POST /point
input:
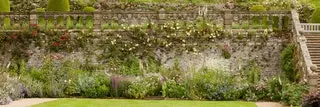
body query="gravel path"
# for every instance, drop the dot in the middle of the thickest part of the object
(268, 104)
(27, 102)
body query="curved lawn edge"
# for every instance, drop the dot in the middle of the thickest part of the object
(141, 103)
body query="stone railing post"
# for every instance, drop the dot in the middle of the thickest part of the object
(33, 19)
(97, 19)
(313, 78)
(162, 16)
(228, 18)
(308, 68)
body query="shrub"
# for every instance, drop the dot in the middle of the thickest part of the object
(142, 87)
(10, 88)
(27, 5)
(292, 93)
(312, 99)
(40, 10)
(252, 72)
(88, 9)
(213, 85)
(274, 86)
(256, 19)
(316, 16)
(119, 86)
(174, 72)
(286, 61)
(58, 5)
(258, 8)
(97, 87)
(4, 6)
(33, 87)
(89, 19)
(256, 92)
(172, 89)
(138, 89)
(127, 66)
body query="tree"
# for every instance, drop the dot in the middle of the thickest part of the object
(316, 16)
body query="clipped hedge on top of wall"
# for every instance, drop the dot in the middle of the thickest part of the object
(58, 5)
(4, 6)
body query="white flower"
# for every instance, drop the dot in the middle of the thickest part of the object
(136, 45)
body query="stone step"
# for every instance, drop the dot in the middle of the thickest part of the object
(312, 50)
(313, 45)
(313, 41)
(314, 54)
(316, 62)
(315, 59)
(312, 36)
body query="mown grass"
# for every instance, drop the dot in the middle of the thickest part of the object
(141, 103)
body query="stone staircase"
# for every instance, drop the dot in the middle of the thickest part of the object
(313, 44)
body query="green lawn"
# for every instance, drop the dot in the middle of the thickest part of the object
(141, 103)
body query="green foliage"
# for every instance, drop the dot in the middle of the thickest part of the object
(58, 5)
(252, 72)
(40, 10)
(316, 16)
(305, 13)
(89, 19)
(98, 87)
(27, 5)
(275, 86)
(64, 79)
(173, 89)
(88, 9)
(225, 51)
(174, 72)
(292, 94)
(4, 6)
(33, 86)
(258, 8)
(256, 19)
(148, 86)
(138, 89)
(127, 66)
(9, 88)
(213, 85)
(81, 4)
(287, 64)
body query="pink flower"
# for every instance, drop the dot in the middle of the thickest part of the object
(55, 44)
(13, 37)
(34, 33)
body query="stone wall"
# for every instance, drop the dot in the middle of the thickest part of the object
(265, 53)
(267, 56)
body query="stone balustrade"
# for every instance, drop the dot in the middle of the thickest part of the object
(302, 58)
(15, 21)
